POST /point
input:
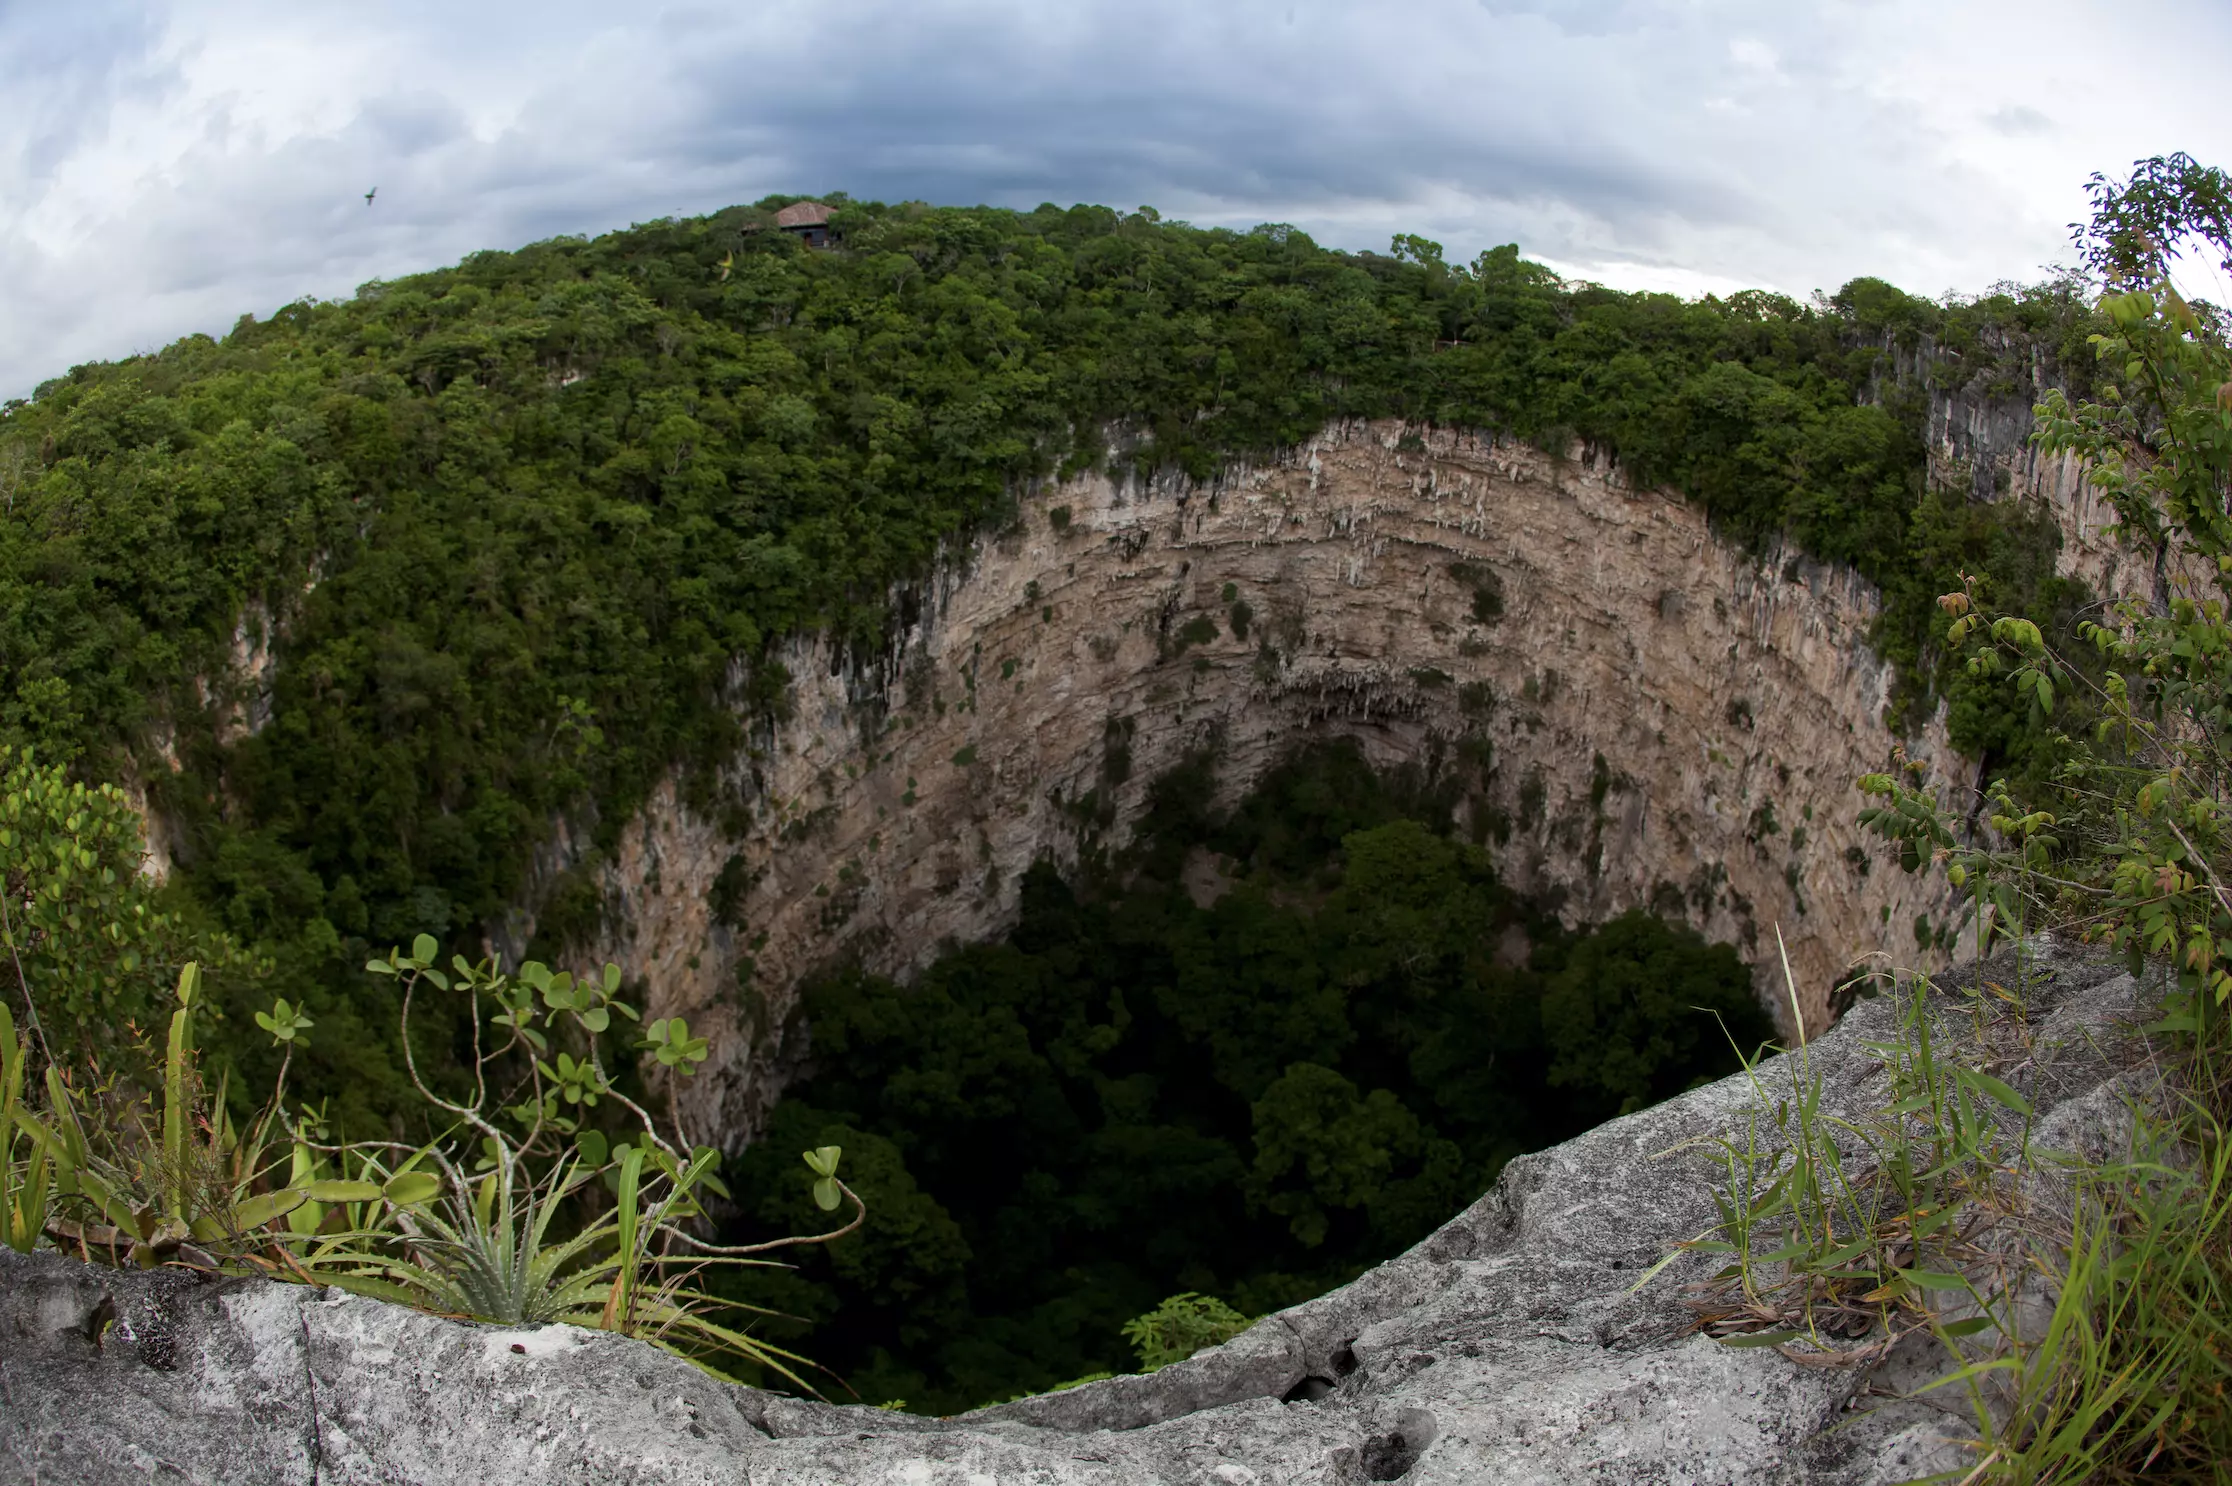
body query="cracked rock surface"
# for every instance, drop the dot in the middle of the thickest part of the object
(1511, 1346)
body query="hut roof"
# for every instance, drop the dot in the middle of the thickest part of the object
(803, 214)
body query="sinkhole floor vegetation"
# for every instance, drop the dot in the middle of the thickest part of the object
(1255, 1099)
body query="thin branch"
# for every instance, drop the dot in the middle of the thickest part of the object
(23, 981)
(859, 1217)
(2224, 899)
(278, 1089)
(480, 1064)
(410, 1062)
(650, 1126)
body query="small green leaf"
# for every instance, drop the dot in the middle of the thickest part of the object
(1970, 1327)
(594, 1148)
(1930, 1279)
(257, 1211)
(340, 1191)
(410, 1188)
(423, 949)
(825, 1194)
(1997, 1091)
(1759, 1339)
(823, 1159)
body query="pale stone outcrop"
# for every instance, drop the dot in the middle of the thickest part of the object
(1510, 1346)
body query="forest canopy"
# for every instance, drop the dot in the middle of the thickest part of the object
(366, 594)
(1256, 1097)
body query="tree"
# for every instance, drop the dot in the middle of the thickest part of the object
(1643, 1010)
(90, 953)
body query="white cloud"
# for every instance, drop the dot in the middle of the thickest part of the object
(165, 169)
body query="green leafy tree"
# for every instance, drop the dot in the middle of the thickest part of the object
(91, 953)
(1321, 1146)
(1643, 1010)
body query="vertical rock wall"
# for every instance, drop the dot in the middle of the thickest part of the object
(1641, 715)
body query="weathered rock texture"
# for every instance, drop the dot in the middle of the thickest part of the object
(1644, 717)
(1979, 441)
(1511, 1346)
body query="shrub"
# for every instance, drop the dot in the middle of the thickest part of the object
(550, 1193)
(1181, 1326)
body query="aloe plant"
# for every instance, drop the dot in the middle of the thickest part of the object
(177, 1181)
(523, 1237)
(499, 1245)
(25, 1175)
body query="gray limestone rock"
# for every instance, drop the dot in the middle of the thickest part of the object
(1511, 1346)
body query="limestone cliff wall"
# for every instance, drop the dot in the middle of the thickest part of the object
(1979, 441)
(1645, 715)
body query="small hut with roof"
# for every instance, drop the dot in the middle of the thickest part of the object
(806, 220)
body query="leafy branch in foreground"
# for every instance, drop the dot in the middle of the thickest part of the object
(2131, 841)
(1181, 1326)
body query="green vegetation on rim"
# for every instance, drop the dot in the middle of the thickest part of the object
(513, 538)
(365, 595)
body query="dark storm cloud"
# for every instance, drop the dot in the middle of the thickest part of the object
(1154, 100)
(167, 168)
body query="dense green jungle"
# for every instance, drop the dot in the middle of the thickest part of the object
(1135, 1095)
(519, 537)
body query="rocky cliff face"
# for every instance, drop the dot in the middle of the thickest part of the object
(1979, 440)
(1639, 715)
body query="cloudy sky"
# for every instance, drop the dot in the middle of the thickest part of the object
(166, 165)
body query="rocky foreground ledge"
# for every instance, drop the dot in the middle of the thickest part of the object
(1507, 1347)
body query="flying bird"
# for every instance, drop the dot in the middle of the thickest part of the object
(726, 264)
(370, 194)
